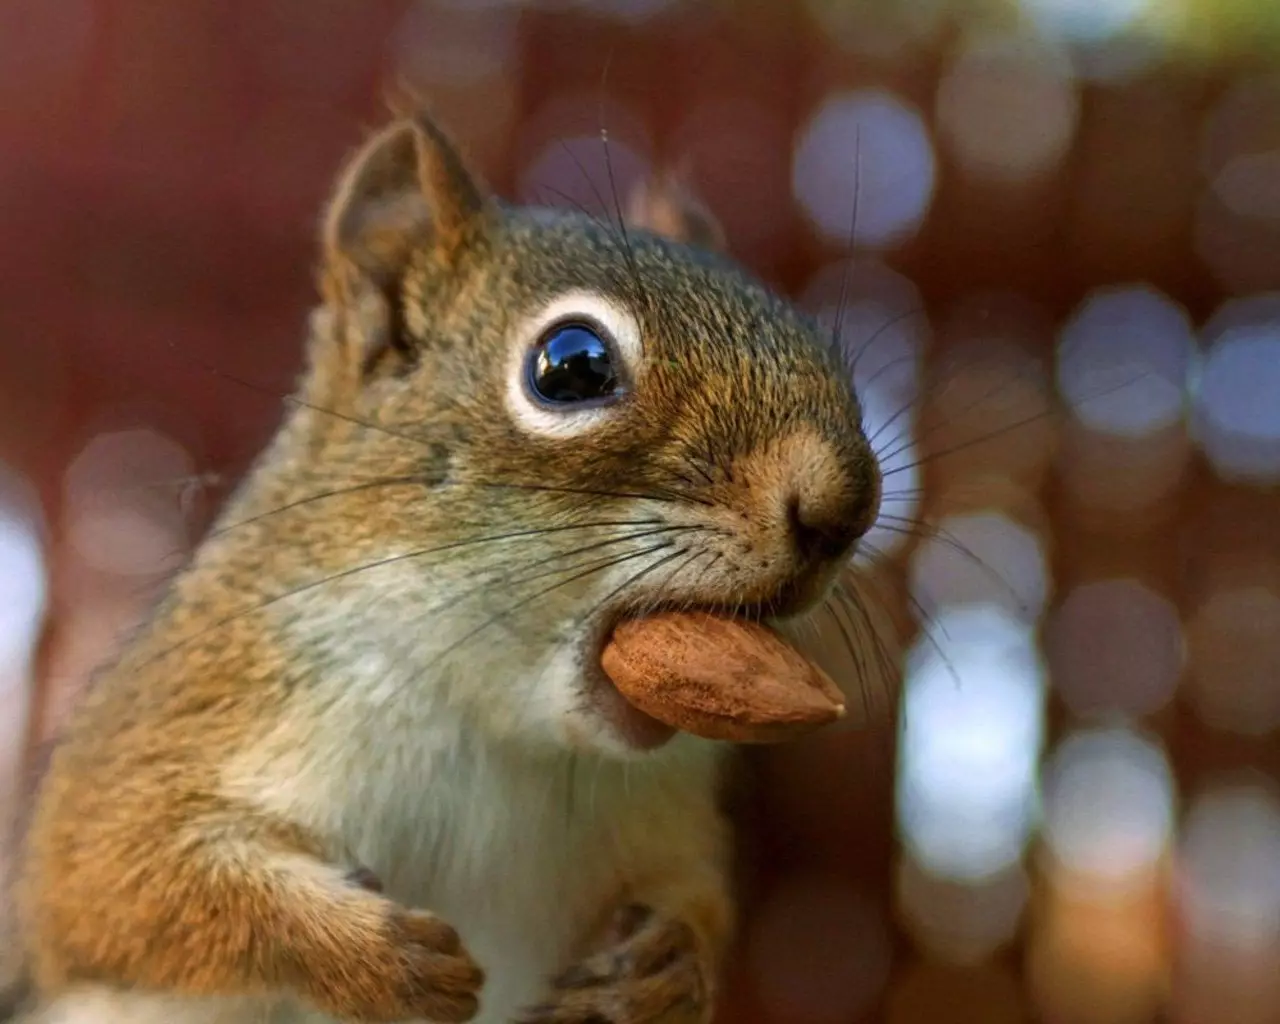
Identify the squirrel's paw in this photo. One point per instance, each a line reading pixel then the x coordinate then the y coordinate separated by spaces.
pixel 413 967
pixel 651 972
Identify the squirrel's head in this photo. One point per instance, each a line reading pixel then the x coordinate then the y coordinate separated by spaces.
pixel 574 421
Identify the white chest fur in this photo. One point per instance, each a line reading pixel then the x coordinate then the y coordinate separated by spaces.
pixel 519 852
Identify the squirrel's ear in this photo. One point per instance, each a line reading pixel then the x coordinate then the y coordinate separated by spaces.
pixel 667 207
pixel 408 186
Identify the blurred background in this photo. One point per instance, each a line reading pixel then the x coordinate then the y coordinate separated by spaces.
pixel 1062 287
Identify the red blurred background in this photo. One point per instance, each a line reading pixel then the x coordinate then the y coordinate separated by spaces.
pixel 1066 267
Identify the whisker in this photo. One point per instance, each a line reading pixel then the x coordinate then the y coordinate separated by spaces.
pixel 859 622
pixel 656 600
pixel 604 222
pixel 879 333
pixel 928 531
pixel 855 653
pixel 301 403
pixel 596 492
pixel 924 618
pixel 847 594
pixel 608 166
pixel 697 583
pixel 492 620
pixel 892 363
pixel 337 492
pixel 926 622
pixel 852 242
pixel 352 571
pixel 1025 421
pixel 1019 374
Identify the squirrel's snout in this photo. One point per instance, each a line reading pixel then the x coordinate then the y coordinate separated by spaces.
pixel 810 498
pixel 822 529
pixel 828 511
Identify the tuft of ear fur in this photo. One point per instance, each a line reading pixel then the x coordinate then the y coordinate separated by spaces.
pixel 406 187
pixel 666 206
pixel 405 192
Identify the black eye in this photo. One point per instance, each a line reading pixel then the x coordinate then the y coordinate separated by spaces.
pixel 572 363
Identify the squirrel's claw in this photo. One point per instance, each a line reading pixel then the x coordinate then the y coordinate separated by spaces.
pixel 651 973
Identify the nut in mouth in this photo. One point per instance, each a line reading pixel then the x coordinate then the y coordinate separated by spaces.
pixel 715 670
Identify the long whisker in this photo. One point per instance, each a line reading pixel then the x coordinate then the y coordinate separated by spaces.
pixel 927 622
pixel 856 619
pixel 926 531
pixel 608 166
pixel 660 591
pixel 300 403
pixel 853 239
pixel 855 653
pixel 848 596
pixel 493 619
pixel 879 333
pixel 596 492
pixel 570 200
pixel 365 485
pixel 515 578
pixel 352 571
pixel 1001 432
pixel 1019 374
pixel 892 364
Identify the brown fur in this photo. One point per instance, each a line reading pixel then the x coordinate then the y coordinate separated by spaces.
pixel 141 873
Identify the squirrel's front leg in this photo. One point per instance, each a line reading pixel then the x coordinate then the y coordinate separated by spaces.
pixel 231 913
pixel 658 961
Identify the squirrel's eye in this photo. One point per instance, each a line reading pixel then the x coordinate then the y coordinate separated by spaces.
pixel 572 363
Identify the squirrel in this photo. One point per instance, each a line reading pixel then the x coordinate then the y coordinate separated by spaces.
pixel 361 763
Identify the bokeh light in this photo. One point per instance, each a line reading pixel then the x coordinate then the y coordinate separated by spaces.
pixel 1085 20
pixel 1007 107
pixel 962 921
pixel 1238 417
pixel 1237 230
pixel 1229 874
pixel 583 151
pixel 462 44
pixel 972 732
pixel 123 495
pixel 1115 647
pixel 1123 361
pixel 1099 962
pixel 1110 40
pixel 23 601
pixel 981 558
pixel 868 148
pixel 1228 899
pixel 1108 806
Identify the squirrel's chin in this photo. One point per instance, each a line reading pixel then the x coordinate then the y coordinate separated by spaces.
pixel 632 728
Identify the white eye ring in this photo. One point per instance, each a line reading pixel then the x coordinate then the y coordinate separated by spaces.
pixel 623 330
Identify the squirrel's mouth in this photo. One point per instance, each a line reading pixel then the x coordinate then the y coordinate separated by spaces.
pixel 641 731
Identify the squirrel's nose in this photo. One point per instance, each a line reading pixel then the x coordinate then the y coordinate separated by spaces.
pixel 826 518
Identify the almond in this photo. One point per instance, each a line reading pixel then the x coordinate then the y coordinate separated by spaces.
pixel 719 678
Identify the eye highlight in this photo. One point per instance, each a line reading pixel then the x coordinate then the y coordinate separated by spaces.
pixel 572 364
